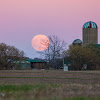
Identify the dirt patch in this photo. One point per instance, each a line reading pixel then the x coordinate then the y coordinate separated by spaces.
pixel 43 76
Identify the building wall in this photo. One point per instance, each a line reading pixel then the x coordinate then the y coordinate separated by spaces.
pixel 90 35
pixel 39 65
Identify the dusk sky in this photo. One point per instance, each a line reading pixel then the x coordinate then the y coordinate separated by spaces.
pixel 21 20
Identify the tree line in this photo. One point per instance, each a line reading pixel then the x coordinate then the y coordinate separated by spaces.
pixel 80 56
pixel 77 55
pixel 8 54
pixel 54 55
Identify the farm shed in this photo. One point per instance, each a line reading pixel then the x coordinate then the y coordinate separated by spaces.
pixel 29 64
pixel 21 64
pixel 37 63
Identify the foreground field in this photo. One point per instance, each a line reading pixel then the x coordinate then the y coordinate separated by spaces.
pixel 49 85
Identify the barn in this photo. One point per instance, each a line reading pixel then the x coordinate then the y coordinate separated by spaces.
pixel 29 64
pixel 37 63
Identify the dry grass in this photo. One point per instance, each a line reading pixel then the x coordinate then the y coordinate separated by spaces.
pixel 49 84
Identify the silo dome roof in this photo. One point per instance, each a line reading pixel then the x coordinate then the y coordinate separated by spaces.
pixel 77 41
pixel 90 24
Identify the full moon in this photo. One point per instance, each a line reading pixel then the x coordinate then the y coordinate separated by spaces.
pixel 40 42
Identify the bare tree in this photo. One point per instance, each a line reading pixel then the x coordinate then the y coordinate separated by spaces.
pixel 8 54
pixel 54 50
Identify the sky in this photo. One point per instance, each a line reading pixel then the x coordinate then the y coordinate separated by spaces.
pixel 21 20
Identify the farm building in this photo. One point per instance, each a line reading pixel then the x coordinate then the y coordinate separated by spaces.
pixel 37 63
pixel 90 39
pixel 67 63
pixel 21 64
pixel 90 33
pixel 30 64
pixel 77 42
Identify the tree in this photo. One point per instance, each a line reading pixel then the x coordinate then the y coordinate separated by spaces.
pixel 8 54
pixel 84 55
pixel 54 50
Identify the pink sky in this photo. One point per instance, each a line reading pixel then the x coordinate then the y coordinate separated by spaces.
pixel 21 20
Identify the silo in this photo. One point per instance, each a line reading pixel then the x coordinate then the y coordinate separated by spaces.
pixel 77 42
pixel 90 33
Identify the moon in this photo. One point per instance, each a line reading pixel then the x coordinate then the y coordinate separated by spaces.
pixel 40 42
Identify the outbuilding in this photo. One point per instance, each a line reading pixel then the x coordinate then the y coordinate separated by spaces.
pixel 37 63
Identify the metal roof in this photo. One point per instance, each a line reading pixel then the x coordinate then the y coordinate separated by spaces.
pixel 20 61
pixel 90 24
pixel 35 60
pixel 94 45
pixel 98 45
pixel 77 41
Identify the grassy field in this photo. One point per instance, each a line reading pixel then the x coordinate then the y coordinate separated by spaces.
pixel 49 85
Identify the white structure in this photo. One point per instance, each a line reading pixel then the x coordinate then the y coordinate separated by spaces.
pixel 65 67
